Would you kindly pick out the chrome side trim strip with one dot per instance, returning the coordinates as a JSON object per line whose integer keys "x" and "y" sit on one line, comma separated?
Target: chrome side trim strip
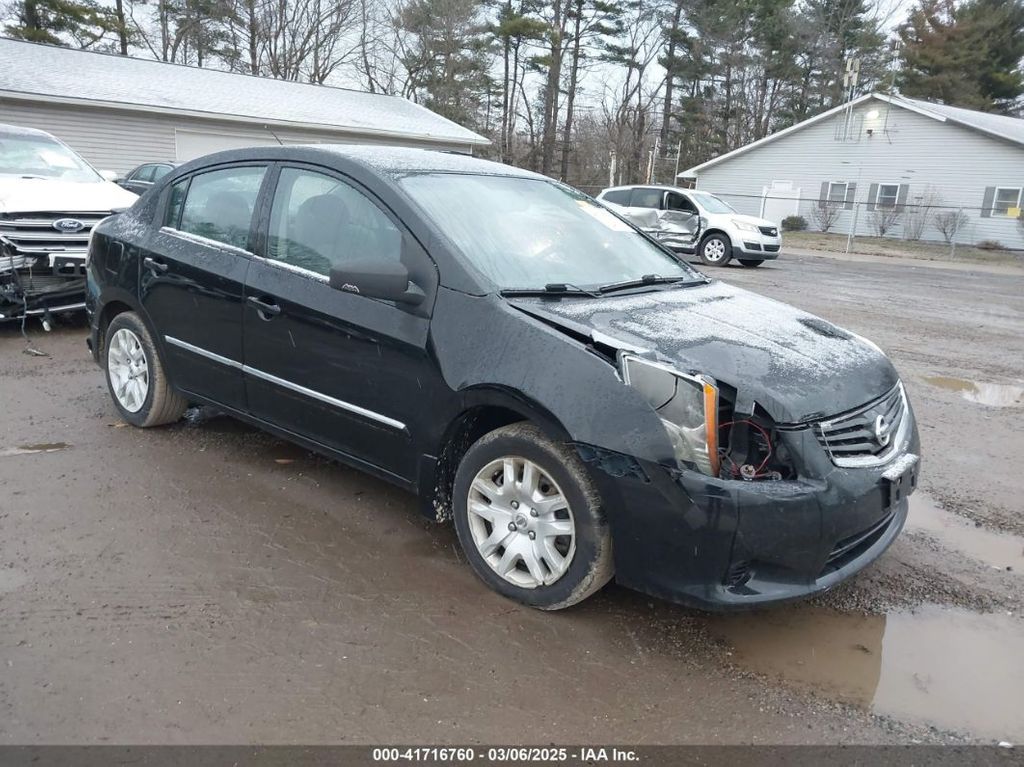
{"x": 202, "y": 352}
{"x": 325, "y": 398}
{"x": 373, "y": 416}
{"x": 292, "y": 268}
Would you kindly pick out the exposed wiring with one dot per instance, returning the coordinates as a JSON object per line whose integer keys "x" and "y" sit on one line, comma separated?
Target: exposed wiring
{"x": 29, "y": 349}
{"x": 735, "y": 470}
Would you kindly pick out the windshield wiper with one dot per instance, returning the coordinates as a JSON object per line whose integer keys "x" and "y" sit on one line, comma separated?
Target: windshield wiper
{"x": 551, "y": 289}
{"x": 647, "y": 279}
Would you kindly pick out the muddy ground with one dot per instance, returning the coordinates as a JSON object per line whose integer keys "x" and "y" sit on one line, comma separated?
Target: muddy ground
{"x": 207, "y": 583}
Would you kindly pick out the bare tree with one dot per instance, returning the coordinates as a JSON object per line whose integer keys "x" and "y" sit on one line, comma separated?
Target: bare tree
{"x": 883, "y": 220}
{"x": 825, "y": 214}
{"x": 918, "y": 214}
{"x": 949, "y": 223}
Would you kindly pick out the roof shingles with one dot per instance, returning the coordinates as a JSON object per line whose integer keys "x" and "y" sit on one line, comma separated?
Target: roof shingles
{"x": 63, "y": 73}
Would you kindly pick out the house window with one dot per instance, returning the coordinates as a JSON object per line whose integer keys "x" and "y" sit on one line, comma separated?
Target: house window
{"x": 888, "y": 194}
{"x": 837, "y": 192}
{"x": 1005, "y": 199}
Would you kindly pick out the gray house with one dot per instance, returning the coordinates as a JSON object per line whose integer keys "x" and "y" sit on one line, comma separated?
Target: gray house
{"x": 883, "y": 165}
{"x": 120, "y": 112}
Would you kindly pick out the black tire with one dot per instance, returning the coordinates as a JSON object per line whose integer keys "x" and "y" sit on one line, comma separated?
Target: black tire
{"x": 162, "y": 404}
{"x": 591, "y": 565}
{"x": 715, "y": 242}
{"x": 750, "y": 263}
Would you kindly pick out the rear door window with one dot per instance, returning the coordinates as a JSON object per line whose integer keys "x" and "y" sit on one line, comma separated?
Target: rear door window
{"x": 159, "y": 171}
{"x": 143, "y": 173}
{"x": 646, "y": 198}
{"x": 219, "y": 204}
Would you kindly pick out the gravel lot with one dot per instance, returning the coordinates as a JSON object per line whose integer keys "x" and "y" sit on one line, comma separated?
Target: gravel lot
{"x": 207, "y": 583}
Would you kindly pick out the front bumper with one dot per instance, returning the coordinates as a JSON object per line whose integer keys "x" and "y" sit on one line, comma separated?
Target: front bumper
{"x": 756, "y": 246}
{"x": 47, "y": 285}
{"x": 729, "y": 544}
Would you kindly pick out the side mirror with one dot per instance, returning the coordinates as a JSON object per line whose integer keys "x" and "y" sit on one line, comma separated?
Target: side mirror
{"x": 110, "y": 175}
{"x": 377, "y": 278}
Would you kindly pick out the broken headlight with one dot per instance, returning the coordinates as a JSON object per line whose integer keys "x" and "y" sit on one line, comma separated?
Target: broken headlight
{"x": 687, "y": 406}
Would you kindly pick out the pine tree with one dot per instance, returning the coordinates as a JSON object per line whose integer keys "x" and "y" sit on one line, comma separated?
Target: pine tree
{"x": 967, "y": 55}
{"x": 58, "y": 22}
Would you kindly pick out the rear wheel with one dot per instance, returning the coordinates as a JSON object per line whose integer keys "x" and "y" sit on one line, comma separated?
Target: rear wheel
{"x": 530, "y": 520}
{"x": 135, "y": 375}
{"x": 751, "y": 262}
{"x": 715, "y": 250}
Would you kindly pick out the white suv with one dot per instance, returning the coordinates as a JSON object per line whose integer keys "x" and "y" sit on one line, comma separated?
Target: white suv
{"x": 725, "y": 233}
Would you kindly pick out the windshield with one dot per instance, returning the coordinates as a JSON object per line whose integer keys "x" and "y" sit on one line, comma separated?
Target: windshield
{"x": 528, "y": 233}
{"x": 712, "y": 204}
{"x": 27, "y": 155}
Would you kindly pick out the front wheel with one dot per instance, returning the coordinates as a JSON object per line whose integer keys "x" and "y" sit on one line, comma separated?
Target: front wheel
{"x": 530, "y": 519}
{"x": 751, "y": 262}
{"x": 135, "y": 375}
{"x": 715, "y": 250}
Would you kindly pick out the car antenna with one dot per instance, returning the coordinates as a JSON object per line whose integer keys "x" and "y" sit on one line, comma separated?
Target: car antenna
{"x": 271, "y": 132}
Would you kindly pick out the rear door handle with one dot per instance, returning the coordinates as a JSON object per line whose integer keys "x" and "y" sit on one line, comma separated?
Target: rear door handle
{"x": 154, "y": 265}
{"x": 265, "y": 306}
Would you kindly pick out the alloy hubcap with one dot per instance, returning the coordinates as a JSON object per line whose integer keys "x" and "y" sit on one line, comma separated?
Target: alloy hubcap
{"x": 128, "y": 370}
{"x": 521, "y": 522}
{"x": 714, "y": 250}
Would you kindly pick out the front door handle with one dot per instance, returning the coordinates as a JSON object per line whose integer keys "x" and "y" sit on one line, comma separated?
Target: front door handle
{"x": 154, "y": 265}
{"x": 265, "y": 306}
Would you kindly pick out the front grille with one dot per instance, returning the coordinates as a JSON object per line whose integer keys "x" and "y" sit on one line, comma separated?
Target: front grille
{"x": 771, "y": 248}
{"x": 769, "y": 231}
{"x": 868, "y": 435}
{"x": 34, "y": 233}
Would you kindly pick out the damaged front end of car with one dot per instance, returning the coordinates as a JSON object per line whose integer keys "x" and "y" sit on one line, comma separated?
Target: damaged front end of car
{"x": 42, "y": 264}
{"x": 744, "y": 462}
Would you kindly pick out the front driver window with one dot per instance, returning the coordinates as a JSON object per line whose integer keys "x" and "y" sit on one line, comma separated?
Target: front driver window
{"x": 677, "y": 201}
{"x": 318, "y": 222}
{"x": 220, "y": 203}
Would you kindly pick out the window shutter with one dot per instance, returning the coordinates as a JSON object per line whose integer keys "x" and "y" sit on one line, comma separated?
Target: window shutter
{"x": 872, "y": 196}
{"x": 823, "y": 197}
{"x": 901, "y": 196}
{"x": 986, "y": 204}
{"x": 851, "y": 194}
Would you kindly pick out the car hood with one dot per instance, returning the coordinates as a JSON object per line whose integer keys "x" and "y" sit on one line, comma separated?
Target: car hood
{"x": 27, "y": 195}
{"x": 753, "y": 220}
{"x": 798, "y": 367}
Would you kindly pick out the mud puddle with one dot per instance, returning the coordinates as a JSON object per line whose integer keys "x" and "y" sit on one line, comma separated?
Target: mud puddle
{"x": 946, "y": 667}
{"x": 991, "y": 394}
{"x": 1003, "y": 551}
{"x": 45, "y": 447}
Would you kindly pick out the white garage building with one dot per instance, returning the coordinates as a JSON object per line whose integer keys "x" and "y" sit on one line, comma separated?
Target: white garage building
{"x": 120, "y": 112}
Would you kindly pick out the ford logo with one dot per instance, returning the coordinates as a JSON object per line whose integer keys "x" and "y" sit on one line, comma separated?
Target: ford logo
{"x": 69, "y": 225}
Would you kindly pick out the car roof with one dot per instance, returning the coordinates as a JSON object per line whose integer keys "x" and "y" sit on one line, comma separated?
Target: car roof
{"x": 647, "y": 186}
{"x": 398, "y": 160}
{"x": 18, "y": 130}
{"x": 380, "y": 159}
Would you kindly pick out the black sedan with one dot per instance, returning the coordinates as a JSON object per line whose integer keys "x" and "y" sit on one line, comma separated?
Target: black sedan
{"x": 140, "y": 179}
{"x": 583, "y": 404}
